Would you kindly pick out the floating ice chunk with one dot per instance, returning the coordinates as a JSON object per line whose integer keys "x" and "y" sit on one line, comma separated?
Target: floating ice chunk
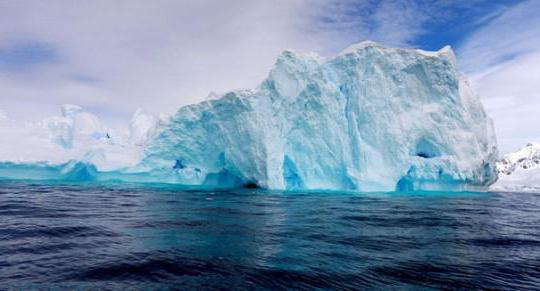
{"x": 75, "y": 135}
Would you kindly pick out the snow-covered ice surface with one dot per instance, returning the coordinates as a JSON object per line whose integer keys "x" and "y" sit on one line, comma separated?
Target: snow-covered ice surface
{"x": 370, "y": 119}
{"x": 520, "y": 171}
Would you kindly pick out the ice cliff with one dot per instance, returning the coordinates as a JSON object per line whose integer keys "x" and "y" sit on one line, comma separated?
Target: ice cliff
{"x": 370, "y": 119}
{"x": 520, "y": 170}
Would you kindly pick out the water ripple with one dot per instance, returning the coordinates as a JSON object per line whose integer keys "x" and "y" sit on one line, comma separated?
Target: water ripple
{"x": 111, "y": 237}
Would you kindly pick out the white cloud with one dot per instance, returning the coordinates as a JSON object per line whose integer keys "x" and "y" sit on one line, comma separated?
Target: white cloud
{"x": 511, "y": 34}
{"x": 503, "y": 60}
{"x": 118, "y": 55}
{"x": 158, "y": 55}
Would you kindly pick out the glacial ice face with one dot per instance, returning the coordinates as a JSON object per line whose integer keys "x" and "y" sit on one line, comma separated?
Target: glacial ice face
{"x": 370, "y": 119}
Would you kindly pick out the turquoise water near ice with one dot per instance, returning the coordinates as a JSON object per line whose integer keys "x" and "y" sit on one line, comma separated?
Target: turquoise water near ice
{"x": 116, "y": 236}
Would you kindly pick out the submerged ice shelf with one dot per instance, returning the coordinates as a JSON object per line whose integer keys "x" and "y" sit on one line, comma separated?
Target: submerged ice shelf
{"x": 370, "y": 119}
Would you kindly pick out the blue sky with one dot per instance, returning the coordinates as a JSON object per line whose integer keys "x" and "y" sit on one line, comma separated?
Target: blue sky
{"x": 459, "y": 21}
{"x": 23, "y": 56}
{"x": 113, "y": 56}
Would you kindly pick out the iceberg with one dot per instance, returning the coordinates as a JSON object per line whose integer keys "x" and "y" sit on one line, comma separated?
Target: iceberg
{"x": 371, "y": 118}
{"x": 77, "y": 136}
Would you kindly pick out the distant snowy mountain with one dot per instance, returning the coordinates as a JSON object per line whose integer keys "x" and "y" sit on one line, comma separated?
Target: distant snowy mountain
{"x": 524, "y": 159}
{"x": 520, "y": 171}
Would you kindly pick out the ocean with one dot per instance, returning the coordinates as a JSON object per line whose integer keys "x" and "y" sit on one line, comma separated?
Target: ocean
{"x": 129, "y": 236}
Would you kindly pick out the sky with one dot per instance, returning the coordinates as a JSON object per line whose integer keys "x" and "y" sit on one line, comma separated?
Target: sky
{"x": 114, "y": 56}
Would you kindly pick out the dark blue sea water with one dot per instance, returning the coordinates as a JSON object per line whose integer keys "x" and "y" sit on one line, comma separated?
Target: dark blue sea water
{"x": 131, "y": 237}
